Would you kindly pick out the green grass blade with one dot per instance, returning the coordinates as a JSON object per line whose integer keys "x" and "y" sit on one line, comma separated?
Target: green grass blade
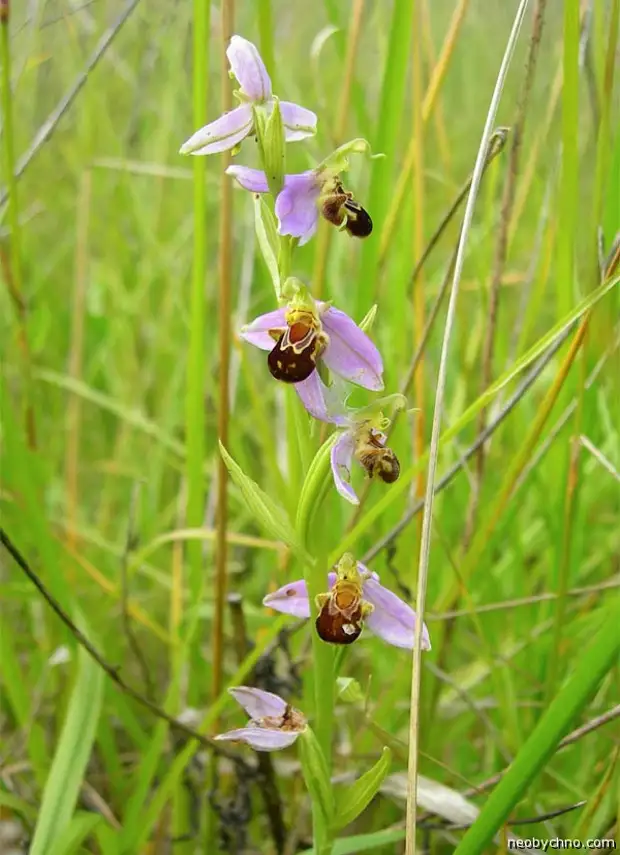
{"x": 594, "y": 663}
{"x": 80, "y": 827}
{"x": 72, "y": 753}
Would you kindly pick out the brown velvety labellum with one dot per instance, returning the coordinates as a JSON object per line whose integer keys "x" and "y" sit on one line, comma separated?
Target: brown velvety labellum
{"x": 338, "y": 629}
{"x": 389, "y": 468}
{"x": 291, "y": 367}
{"x": 359, "y": 222}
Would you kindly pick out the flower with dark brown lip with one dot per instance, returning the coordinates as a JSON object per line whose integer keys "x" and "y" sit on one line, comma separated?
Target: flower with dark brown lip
{"x": 305, "y": 332}
{"x": 388, "y": 617}
{"x": 307, "y": 195}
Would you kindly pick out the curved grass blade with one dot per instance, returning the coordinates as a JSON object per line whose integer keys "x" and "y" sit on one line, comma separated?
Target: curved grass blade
{"x": 594, "y": 663}
{"x": 69, "y": 764}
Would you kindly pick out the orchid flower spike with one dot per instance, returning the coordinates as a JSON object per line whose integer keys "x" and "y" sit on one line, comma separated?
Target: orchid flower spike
{"x": 273, "y": 723}
{"x": 305, "y": 333}
{"x": 255, "y": 93}
{"x": 355, "y": 599}
{"x": 306, "y": 195}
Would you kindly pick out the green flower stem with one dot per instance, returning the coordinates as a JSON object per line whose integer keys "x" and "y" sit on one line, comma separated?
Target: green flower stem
{"x": 311, "y": 497}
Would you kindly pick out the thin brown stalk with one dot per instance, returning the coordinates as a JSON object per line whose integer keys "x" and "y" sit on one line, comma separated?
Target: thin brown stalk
{"x": 325, "y": 230}
{"x": 225, "y": 277}
{"x": 499, "y": 263}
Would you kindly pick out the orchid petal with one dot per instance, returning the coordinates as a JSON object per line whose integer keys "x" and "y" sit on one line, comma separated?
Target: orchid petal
{"x": 291, "y": 599}
{"x": 250, "y": 179}
{"x": 260, "y": 738}
{"x": 222, "y": 134}
{"x": 350, "y": 352}
{"x": 296, "y": 206}
{"x": 393, "y": 620}
{"x": 249, "y": 69}
{"x": 321, "y": 401}
{"x": 312, "y": 394}
{"x": 367, "y": 572}
{"x": 341, "y": 456}
{"x": 257, "y": 333}
{"x": 257, "y": 703}
{"x": 298, "y": 122}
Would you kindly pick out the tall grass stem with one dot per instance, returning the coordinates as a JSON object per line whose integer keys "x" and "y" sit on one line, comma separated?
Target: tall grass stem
{"x": 435, "y": 434}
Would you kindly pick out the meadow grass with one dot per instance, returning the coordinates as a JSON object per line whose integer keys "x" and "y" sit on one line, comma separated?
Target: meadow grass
{"x": 125, "y": 267}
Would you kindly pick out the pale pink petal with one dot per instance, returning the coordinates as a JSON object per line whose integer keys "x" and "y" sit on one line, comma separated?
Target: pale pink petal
{"x": 260, "y": 738}
{"x": 250, "y": 179}
{"x": 313, "y": 397}
{"x": 257, "y": 703}
{"x": 291, "y": 599}
{"x": 298, "y": 122}
{"x": 341, "y": 456}
{"x": 249, "y": 69}
{"x": 222, "y": 134}
{"x": 296, "y": 206}
{"x": 393, "y": 620}
{"x": 350, "y": 352}
{"x": 257, "y": 333}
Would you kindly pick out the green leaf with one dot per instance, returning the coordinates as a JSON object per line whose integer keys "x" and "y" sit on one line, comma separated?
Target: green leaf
{"x": 69, "y": 764}
{"x": 349, "y": 690}
{"x": 318, "y": 479}
{"x": 590, "y": 669}
{"x": 268, "y": 242}
{"x": 316, "y": 776}
{"x": 76, "y": 833}
{"x": 267, "y": 512}
{"x": 355, "y": 799}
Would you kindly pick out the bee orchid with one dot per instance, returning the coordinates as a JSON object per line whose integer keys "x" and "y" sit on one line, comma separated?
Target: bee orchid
{"x": 317, "y": 192}
{"x": 305, "y": 332}
{"x": 355, "y": 598}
